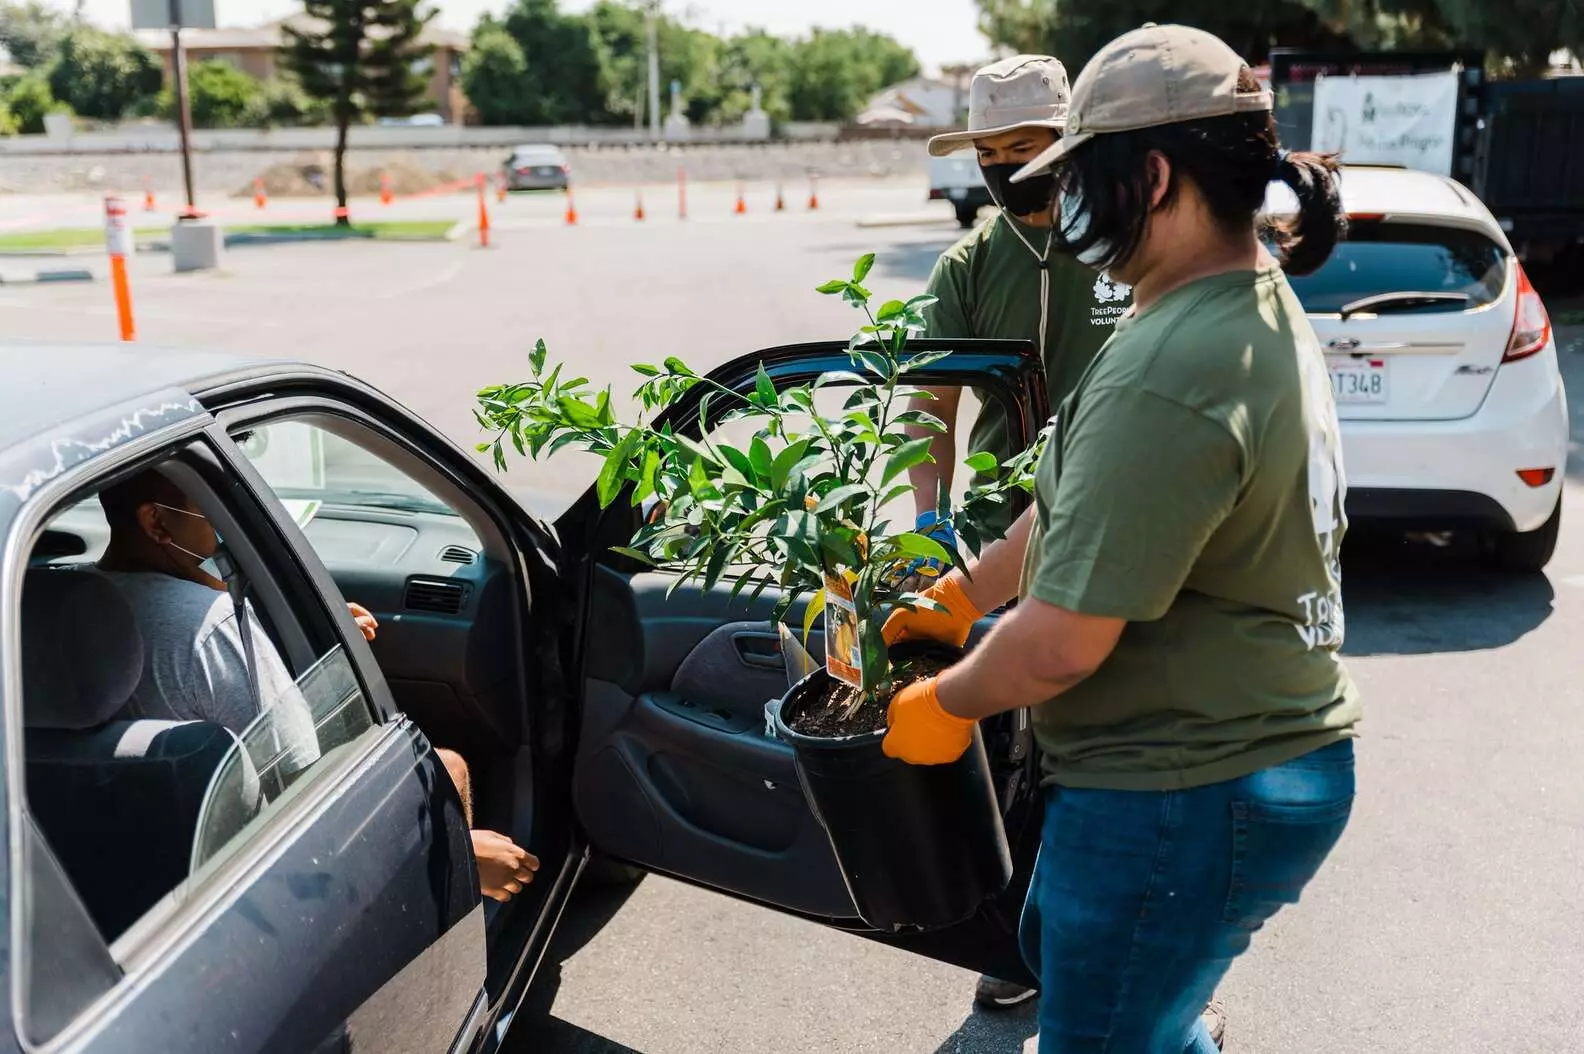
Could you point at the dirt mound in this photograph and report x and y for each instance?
(313, 175)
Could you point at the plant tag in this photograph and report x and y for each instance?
(842, 658)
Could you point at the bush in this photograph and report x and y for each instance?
(221, 96)
(282, 102)
(28, 101)
(103, 75)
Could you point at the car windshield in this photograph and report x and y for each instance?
(1381, 257)
(304, 463)
(537, 155)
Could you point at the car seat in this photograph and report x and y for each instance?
(118, 801)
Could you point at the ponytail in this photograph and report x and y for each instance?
(1305, 242)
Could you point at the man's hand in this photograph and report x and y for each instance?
(367, 624)
(504, 866)
(949, 627)
(921, 731)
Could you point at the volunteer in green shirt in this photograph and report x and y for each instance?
(1005, 280)
(1182, 613)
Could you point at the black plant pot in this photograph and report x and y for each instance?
(921, 847)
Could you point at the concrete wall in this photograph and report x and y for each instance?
(231, 171)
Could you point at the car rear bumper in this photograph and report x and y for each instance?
(531, 182)
(1445, 475)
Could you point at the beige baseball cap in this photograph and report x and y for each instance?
(1152, 76)
(1024, 91)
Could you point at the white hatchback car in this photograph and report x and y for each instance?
(1445, 372)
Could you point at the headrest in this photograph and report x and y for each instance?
(82, 654)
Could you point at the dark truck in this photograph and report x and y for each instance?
(1519, 143)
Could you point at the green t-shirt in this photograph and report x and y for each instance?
(1194, 488)
(988, 287)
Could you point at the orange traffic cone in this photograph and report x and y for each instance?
(148, 195)
(483, 215)
(742, 206)
(780, 199)
(571, 212)
(813, 193)
(638, 210)
(500, 190)
(386, 197)
(258, 193)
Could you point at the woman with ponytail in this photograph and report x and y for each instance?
(1180, 612)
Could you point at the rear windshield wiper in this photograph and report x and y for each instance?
(1401, 301)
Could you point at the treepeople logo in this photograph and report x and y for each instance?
(1108, 290)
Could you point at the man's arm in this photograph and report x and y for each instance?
(929, 477)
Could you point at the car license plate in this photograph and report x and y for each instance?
(1359, 381)
(957, 193)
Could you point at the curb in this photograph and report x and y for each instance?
(58, 274)
(458, 229)
(917, 220)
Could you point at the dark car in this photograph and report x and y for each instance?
(172, 886)
(537, 167)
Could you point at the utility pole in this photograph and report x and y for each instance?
(651, 27)
(183, 106)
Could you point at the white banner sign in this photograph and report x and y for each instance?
(1409, 121)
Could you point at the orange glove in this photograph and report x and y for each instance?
(951, 627)
(921, 732)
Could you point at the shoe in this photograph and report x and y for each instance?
(992, 993)
(1214, 1017)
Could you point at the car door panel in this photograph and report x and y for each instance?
(675, 770)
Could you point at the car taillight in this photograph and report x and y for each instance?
(566, 170)
(936, 194)
(1532, 326)
(1536, 477)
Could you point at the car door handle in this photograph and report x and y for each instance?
(759, 649)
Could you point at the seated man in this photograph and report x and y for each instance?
(196, 663)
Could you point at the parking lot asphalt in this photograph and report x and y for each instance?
(1448, 918)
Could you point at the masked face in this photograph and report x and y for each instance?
(192, 536)
(1075, 220)
(1020, 199)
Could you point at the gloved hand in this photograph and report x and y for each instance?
(930, 525)
(951, 627)
(920, 732)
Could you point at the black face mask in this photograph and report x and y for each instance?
(1020, 199)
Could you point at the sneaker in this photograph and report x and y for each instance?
(992, 993)
(1214, 1017)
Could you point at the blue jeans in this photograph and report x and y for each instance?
(1141, 899)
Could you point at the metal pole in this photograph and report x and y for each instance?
(183, 106)
(654, 71)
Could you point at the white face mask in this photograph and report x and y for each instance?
(207, 564)
(1075, 227)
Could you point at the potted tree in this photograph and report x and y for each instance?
(802, 506)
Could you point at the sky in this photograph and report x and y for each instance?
(947, 34)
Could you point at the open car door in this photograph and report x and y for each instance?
(674, 769)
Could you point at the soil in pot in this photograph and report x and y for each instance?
(834, 715)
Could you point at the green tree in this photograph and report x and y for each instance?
(103, 75)
(834, 72)
(688, 56)
(495, 75)
(221, 96)
(363, 57)
(30, 32)
(755, 58)
(563, 82)
(281, 101)
(28, 101)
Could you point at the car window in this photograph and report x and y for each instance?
(303, 462)
(1388, 257)
(168, 714)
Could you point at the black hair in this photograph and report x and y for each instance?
(1231, 161)
(122, 500)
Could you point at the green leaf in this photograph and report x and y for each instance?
(872, 652)
(889, 310)
(839, 496)
(913, 544)
(614, 472)
(922, 301)
(760, 459)
(913, 452)
(920, 419)
(982, 462)
(816, 605)
(921, 359)
(764, 387)
(678, 367)
(873, 361)
(647, 476)
(737, 460)
(634, 554)
(835, 285)
(646, 370)
(781, 467)
(862, 268)
(720, 556)
(697, 449)
(578, 413)
(536, 358)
